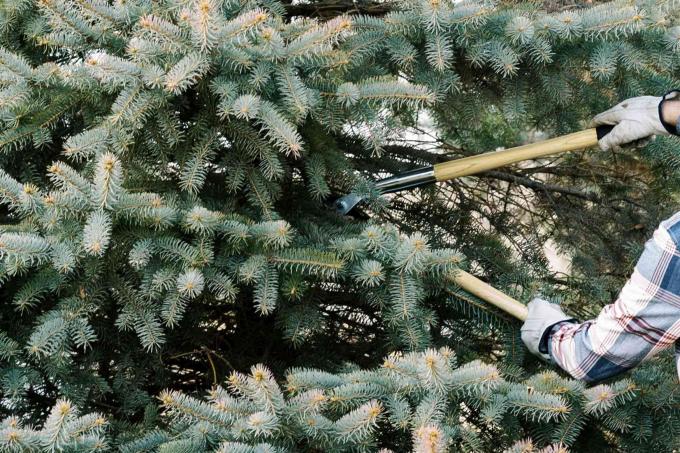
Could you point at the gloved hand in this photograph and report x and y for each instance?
(542, 316)
(635, 119)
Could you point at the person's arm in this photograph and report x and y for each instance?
(640, 118)
(644, 320)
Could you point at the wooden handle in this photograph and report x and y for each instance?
(475, 286)
(483, 162)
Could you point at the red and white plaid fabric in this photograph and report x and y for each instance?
(644, 320)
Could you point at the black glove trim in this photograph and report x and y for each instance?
(671, 128)
(543, 343)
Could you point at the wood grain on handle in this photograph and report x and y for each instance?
(486, 292)
(477, 164)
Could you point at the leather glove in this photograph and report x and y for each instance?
(634, 119)
(542, 316)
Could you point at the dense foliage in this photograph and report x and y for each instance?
(174, 280)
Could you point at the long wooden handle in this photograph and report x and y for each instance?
(483, 162)
(484, 291)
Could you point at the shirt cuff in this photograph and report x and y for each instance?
(544, 343)
(671, 128)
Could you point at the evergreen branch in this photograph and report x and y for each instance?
(10, 190)
(148, 442)
(309, 262)
(205, 24)
(97, 233)
(278, 130)
(537, 406)
(295, 94)
(112, 70)
(243, 24)
(14, 97)
(185, 73)
(390, 93)
(194, 171)
(541, 187)
(334, 8)
(171, 37)
(412, 254)
(475, 377)
(149, 331)
(17, 65)
(87, 143)
(49, 338)
(319, 38)
(259, 195)
(38, 125)
(266, 290)
(179, 405)
(24, 248)
(55, 434)
(107, 181)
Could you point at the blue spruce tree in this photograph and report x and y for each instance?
(173, 280)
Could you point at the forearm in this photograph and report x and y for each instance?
(596, 349)
(644, 320)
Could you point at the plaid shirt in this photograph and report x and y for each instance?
(644, 320)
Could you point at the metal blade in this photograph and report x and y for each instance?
(401, 181)
(347, 203)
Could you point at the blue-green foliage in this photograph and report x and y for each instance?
(164, 170)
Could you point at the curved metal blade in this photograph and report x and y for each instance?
(401, 181)
(347, 203)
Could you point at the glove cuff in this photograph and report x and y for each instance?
(547, 333)
(542, 318)
(671, 128)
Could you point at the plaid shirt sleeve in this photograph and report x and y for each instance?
(644, 320)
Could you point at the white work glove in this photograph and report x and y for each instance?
(634, 119)
(542, 316)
